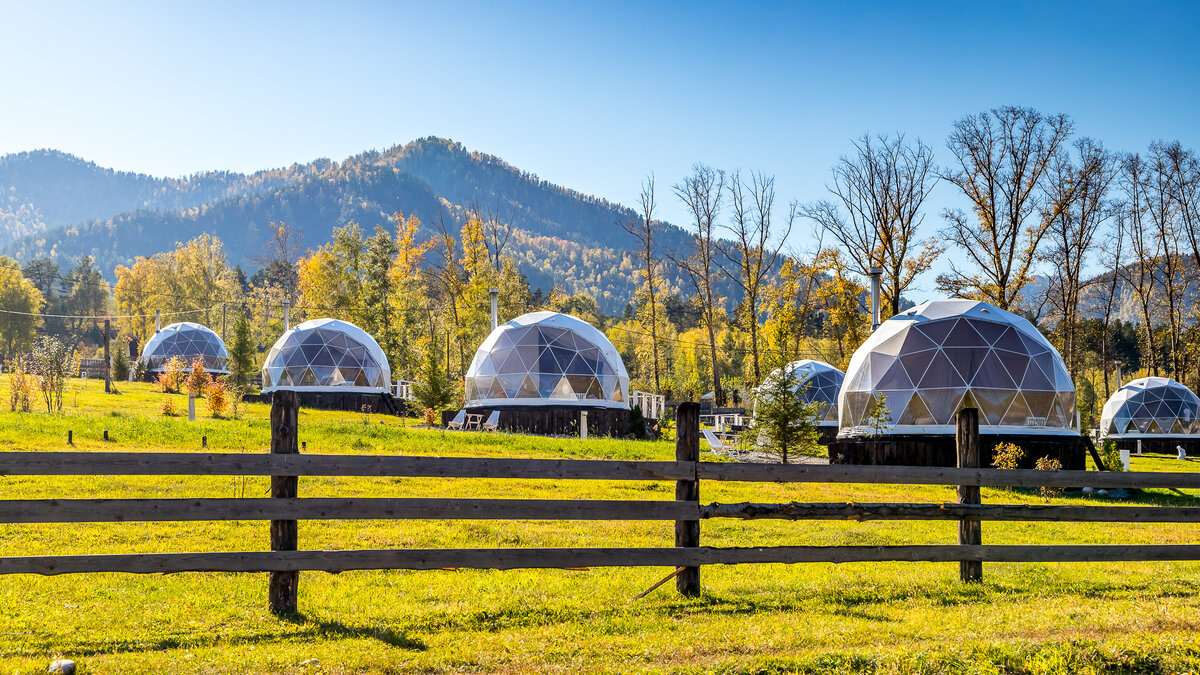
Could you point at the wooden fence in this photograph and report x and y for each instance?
(284, 508)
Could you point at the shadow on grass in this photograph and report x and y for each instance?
(292, 627)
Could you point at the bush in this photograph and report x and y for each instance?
(431, 418)
(1048, 464)
(234, 393)
(198, 380)
(217, 399)
(170, 380)
(637, 422)
(21, 387)
(1007, 456)
(168, 407)
(1110, 456)
(54, 363)
(241, 352)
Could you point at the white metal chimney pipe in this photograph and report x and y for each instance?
(495, 293)
(876, 314)
(157, 321)
(287, 314)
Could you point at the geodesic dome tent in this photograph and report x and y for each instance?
(815, 381)
(547, 358)
(1152, 407)
(933, 359)
(186, 341)
(326, 355)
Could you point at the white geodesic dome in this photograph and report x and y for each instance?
(186, 341)
(326, 355)
(547, 358)
(1152, 407)
(934, 359)
(815, 381)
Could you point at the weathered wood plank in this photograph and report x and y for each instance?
(313, 508)
(948, 511)
(687, 532)
(238, 464)
(921, 475)
(432, 559)
(283, 587)
(966, 445)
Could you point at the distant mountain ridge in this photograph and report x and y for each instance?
(58, 205)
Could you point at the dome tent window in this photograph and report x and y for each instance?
(1152, 408)
(547, 358)
(932, 360)
(326, 354)
(186, 341)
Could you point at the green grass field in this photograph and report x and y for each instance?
(880, 617)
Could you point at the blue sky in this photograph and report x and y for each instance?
(593, 97)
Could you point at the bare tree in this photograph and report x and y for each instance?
(702, 193)
(281, 259)
(1183, 180)
(1002, 157)
(1163, 209)
(753, 255)
(1077, 195)
(497, 229)
(644, 229)
(1110, 259)
(1143, 246)
(882, 188)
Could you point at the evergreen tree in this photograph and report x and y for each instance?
(434, 391)
(783, 423)
(241, 351)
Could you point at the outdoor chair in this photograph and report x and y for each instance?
(457, 422)
(493, 421)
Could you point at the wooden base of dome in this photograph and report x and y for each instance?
(898, 450)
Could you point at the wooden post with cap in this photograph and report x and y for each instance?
(969, 531)
(687, 532)
(283, 586)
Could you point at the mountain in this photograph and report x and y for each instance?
(64, 207)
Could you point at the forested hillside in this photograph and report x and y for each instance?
(63, 207)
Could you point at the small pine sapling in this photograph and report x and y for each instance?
(783, 423)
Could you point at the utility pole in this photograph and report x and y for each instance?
(107, 362)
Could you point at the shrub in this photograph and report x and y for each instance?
(1048, 464)
(54, 363)
(435, 390)
(1007, 456)
(198, 380)
(235, 393)
(170, 380)
(217, 399)
(431, 418)
(1110, 456)
(21, 387)
(168, 407)
(637, 422)
(241, 352)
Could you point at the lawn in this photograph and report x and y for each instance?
(889, 617)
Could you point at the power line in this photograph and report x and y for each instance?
(104, 316)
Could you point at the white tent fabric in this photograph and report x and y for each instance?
(1152, 407)
(186, 340)
(326, 355)
(547, 358)
(934, 359)
(816, 381)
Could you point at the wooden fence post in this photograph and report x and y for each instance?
(107, 362)
(283, 586)
(969, 531)
(687, 532)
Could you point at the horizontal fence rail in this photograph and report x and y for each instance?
(241, 464)
(1003, 512)
(575, 558)
(236, 464)
(316, 508)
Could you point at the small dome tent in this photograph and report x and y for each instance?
(928, 362)
(816, 381)
(547, 358)
(1158, 411)
(186, 341)
(326, 355)
(542, 370)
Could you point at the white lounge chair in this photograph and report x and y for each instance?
(457, 422)
(714, 443)
(493, 421)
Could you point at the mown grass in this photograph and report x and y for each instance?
(890, 617)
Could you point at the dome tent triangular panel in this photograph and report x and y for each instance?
(1154, 407)
(955, 353)
(547, 358)
(326, 355)
(186, 341)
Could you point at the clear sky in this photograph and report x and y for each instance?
(592, 97)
